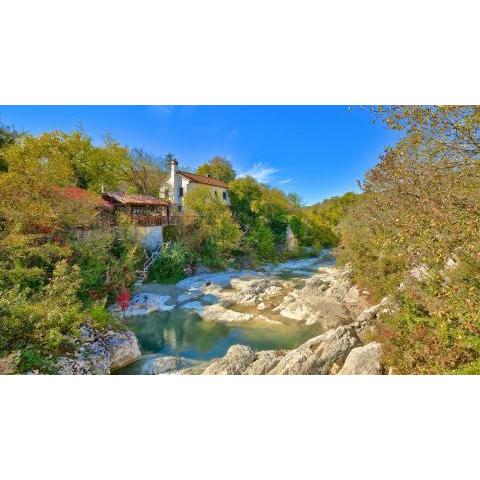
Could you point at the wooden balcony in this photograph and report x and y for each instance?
(153, 220)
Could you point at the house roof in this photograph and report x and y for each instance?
(203, 179)
(134, 199)
(80, 195)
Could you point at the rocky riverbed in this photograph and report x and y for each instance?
(307, 292)
(310, 291)
(301, 317)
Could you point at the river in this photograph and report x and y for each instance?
(183, 333)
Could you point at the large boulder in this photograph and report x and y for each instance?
(99, 353)
(87, 360)
(317, 355)
(235, 362)
(122, 348)
(363, 361)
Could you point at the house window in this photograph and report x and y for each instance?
(224, 195)
(216, 193)
(180, 191)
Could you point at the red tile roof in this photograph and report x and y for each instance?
(134, 199)
(203, 179)
(80, 195)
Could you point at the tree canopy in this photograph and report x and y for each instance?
(219, 168)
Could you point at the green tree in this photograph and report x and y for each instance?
(209, 228)
(219, 168)
(8, 136)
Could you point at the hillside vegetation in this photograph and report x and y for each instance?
(414, 235)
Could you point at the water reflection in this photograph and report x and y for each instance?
(183, 333)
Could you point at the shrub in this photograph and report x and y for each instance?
(260, 242)
(170, 264)
(171, 233)
(208, 228)
(108, 261)
(45, 324)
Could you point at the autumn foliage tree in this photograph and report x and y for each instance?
(420, 212)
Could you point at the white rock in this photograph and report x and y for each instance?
(420, 273)
(123, 349)
(100, 353)
(317, 355)
(217, 313)
(363, 361)
(264, 362)
(145, 303)
(327, 298)
(261, 306)
(235, 362)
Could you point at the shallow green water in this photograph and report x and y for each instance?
(185, 334)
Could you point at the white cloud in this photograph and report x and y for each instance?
(284, 182)
(260, 172)
(162, 109)
(233, 133)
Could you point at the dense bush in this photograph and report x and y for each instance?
(45, 323)
(260, 242)
(108, 261)
(171, 233)
(208, 228)
(170, 264)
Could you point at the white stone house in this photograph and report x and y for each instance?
(180, 183)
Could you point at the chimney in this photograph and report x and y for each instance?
(173, 166)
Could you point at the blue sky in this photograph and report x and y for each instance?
(315, 151)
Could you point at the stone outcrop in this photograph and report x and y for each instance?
(235, 362)
(100, 353)
(122, 348)
(264, 362)
(314, 357)
(328, 298)
(317, 355)
(363, 361)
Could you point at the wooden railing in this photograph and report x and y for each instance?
(153, 220)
